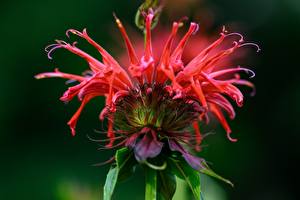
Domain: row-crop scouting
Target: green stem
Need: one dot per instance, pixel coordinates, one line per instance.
(151, 184)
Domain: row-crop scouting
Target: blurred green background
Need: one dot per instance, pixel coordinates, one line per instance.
(41, 160)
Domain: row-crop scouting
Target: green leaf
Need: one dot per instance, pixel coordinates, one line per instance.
(192, 177)
(206, 170)
(110, 183)
(125, 166)
(151, 184)
(166, 182)
(126, 163)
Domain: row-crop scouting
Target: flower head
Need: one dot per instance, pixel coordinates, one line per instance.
(152, 103)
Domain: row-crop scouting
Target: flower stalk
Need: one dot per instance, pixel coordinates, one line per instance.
(151, 183)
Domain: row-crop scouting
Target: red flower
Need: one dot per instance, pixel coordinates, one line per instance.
(200, 84)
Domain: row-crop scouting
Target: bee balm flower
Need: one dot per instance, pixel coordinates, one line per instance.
(154, 103)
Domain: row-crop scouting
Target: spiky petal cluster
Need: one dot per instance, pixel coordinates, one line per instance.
(200, 79)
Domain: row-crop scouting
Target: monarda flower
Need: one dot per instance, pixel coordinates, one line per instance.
(154, 106)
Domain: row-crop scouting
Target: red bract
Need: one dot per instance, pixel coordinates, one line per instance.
(201, 78)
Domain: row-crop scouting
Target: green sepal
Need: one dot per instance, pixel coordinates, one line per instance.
(151, 183)
(184, 171)
(126, 163)
(206, 170)
(122, 169)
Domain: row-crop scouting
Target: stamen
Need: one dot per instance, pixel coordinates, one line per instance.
(105, 162)
(248, 71)
(74, 44)
(49, 46)
(224, 31)
(61, 42)
(87, 73)
(231, 70)
(73, 31)
(105, 132)
(236, 34)
(53, 47)
(251, 44)
(181, 20)
(104, 140)
(111, 146)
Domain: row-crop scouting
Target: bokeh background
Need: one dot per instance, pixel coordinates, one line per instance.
(40, 160)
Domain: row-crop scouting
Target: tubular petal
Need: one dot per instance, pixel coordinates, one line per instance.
(59, 74)
(165, 65)
(130, 50)
(222, 102)
(198, 90)
(231, 70)
(223, 121)
(110, 132)
(198, 135)
(73, 121)
(108, 60)
(148, 42)
(95, 65)
(190, 68)
(177, 54)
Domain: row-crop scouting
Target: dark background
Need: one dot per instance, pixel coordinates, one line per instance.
(40, 159)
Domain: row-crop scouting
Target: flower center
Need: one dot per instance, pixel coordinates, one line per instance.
(154, 107)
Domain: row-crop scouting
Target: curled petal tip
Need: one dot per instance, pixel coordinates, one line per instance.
(258, 49)
(74, 43)
(117, 20)
(103, 113)
(61, 42)
(253, 93)
(232, 139)
(196, 27)
(50, 47)
(237, 34)
(73, 31)
(224, 31)
(229, 136)
(198, 148)
(114, 15)
(73, 132)
(248, 71)
(251, 73)
(39, 76)
(67, 33)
